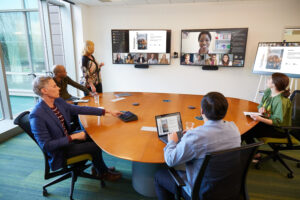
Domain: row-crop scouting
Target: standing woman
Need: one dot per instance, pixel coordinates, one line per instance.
(91, 69)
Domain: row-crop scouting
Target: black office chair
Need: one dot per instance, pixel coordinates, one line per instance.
(74, 168)
(290, 142)
(222, 175)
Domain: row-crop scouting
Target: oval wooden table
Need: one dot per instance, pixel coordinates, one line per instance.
(128, 141)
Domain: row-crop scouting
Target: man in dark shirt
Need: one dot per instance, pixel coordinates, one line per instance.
(62, 81)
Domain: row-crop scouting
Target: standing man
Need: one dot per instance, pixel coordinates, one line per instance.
(62, 81)
(215, 135)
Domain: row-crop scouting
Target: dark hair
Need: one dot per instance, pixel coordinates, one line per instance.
(214, 106)
(281, 82)
(204, 33)
(225, 63)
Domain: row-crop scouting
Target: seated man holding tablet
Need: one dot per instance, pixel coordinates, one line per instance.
(215, 135)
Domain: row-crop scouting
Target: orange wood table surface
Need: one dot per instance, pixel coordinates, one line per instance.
(127, 141)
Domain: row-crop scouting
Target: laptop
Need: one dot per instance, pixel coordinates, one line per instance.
(168, 123)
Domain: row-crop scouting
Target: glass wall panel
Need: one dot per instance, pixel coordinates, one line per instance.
(31, 4)
(20, 104)
(1, 112)
(19, 82)
(36, 42)
(14, 42)
(11, 4)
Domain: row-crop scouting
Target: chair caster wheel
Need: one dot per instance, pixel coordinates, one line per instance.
(298, 164)
(102, 184)
(290, 175)
(45, 192)
(257, 166)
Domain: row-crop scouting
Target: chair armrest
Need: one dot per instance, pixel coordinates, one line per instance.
(291, 127)
(176, 177)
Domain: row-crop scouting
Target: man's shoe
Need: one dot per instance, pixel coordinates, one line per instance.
(112, 169)
(94, 171)
(111, 176)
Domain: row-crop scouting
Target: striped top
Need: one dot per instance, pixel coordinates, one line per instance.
(61, 119)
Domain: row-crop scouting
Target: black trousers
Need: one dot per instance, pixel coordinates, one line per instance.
(165, 186)
(87, 147)
(262, 130)
(98, 89)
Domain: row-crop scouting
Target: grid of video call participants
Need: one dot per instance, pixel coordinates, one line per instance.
(141, 58)
(223, 47)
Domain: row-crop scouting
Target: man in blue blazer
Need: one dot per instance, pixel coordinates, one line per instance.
(50, 124)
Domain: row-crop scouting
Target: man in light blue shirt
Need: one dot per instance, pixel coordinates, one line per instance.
(215, 135)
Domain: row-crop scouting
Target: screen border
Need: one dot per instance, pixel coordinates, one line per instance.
(169, 37)
(209, 30)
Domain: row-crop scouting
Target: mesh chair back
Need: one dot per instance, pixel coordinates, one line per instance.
(295, 99)
(223, 174)
(23, 121)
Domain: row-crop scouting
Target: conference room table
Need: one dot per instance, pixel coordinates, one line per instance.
(145, 150)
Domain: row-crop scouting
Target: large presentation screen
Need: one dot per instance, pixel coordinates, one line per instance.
(214, 47)
(278, 57)
(148, 41)
(141, 47)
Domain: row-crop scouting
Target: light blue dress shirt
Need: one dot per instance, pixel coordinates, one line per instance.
(196, 143)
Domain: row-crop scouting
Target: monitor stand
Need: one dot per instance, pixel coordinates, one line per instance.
(210, 67)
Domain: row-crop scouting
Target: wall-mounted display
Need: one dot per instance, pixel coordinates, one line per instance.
(214, 47)
(150, 47)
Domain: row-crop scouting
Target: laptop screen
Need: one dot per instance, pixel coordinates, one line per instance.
(168, 123)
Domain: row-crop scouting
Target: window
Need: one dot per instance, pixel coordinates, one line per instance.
(33, 34)
(22, 50)
(1, 112)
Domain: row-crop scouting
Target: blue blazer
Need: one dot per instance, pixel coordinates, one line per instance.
(49, 132)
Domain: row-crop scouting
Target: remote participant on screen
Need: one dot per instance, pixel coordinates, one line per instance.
(204, 39)
(212, 60)
(187, 60)
(129, 59)
(141, 59)
(119, 60)
(226, 60)
(164, 59)
(152, 59)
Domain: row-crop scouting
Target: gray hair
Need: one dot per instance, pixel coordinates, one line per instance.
(39, 83)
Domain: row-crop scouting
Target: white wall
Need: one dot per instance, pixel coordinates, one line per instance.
(265, 19)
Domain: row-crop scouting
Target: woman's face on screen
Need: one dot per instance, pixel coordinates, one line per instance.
(225, 58)
(204, 43)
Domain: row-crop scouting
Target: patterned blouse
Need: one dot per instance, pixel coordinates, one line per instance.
(91, 71)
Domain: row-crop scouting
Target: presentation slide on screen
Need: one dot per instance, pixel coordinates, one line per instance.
(284, 59)
(168, 125)
(147, 41)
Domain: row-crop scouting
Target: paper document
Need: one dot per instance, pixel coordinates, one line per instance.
(149, 128)
(123, 95)
(251, 113)
(81, 101)
(117, 99)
